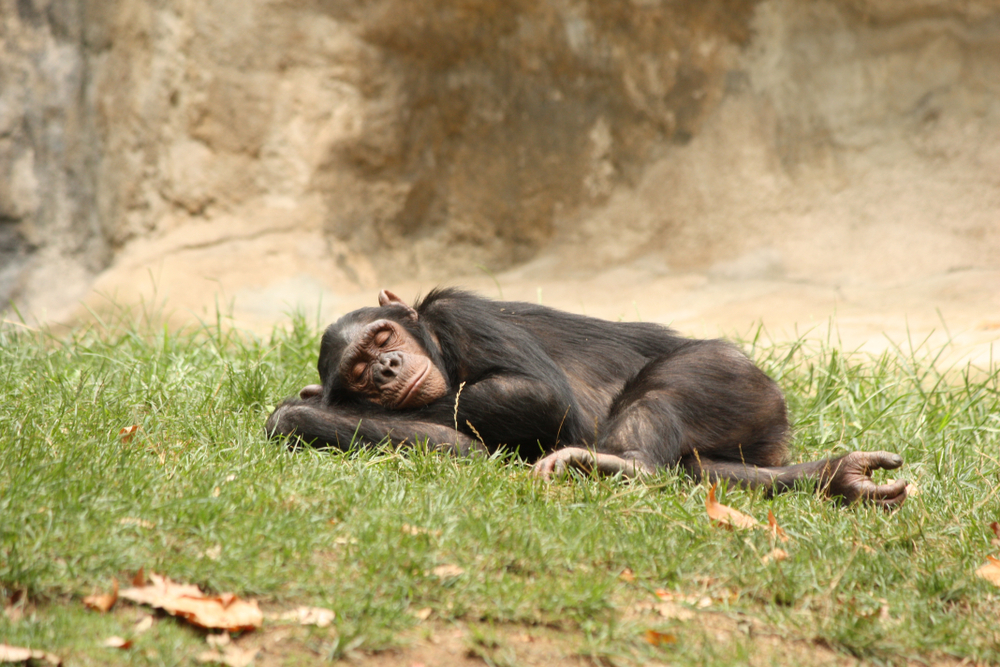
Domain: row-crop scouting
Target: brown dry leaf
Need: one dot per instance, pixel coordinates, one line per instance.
(220, 640)
(991, 571)
(775, 555)
(213, 553)
(103, 602)
(18, 654)
(117, 642)
(140, 578)
(233, 656)
(128, 432)
(627, 575)
(995, 527)
(422, 614)
(447, 571)
(417, 530)
(143, 624)
(660, 638)
(727, 516)
(225, 611)
(777, 532)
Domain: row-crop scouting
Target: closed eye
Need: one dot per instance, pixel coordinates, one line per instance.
(383, 337)
(358, 370)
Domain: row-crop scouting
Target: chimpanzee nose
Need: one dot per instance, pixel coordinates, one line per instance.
(387, 367)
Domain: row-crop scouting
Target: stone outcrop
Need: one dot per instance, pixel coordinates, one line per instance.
(329, 145)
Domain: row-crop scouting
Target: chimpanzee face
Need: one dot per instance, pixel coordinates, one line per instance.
(386, 364)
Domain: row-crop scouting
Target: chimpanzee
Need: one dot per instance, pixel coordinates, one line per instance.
(464, 374)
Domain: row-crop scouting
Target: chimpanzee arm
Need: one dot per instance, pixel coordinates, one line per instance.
(517, 410)
(341, 426)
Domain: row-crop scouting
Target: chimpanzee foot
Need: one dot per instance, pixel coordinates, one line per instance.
(848, 479)
(560, 461)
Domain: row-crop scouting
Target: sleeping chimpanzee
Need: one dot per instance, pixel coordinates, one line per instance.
(567, 391)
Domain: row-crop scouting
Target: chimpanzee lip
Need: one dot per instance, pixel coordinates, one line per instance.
(414, 386)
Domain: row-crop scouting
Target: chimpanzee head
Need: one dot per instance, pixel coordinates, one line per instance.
(380, 355)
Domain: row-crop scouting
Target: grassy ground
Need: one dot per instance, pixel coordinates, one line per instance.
(561, 573)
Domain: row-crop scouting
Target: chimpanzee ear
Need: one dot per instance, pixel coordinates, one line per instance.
(387, 298)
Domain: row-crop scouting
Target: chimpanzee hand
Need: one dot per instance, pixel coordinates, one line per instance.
(848, 479)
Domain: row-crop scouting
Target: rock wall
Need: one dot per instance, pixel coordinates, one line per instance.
(348, 143)
(49, 152)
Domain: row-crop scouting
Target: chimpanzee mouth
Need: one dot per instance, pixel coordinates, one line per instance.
(413, 389)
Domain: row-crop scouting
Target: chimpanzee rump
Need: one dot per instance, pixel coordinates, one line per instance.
(466, 373)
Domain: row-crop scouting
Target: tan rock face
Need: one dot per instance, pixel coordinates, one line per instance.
(252, 148)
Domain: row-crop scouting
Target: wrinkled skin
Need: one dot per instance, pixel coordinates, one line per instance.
(390, 367)
(464, 374)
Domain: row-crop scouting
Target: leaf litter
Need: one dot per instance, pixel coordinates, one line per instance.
(224, 611)
(19, 654)
(723, 515)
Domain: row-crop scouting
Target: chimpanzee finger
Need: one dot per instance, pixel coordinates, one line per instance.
(893, 502)
(543, 468)
(879, 461)
(872, 491)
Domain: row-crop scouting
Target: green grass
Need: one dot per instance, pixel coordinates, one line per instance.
(328, 529)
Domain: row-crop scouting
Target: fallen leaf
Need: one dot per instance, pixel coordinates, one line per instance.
(144, 623)
(18, 654)
(132, 521)
(225, 611)
(777, 532)
(660, 638)
(103, 602)
(995, 527)
(213, 553)
(317, 616)
(447, 571)
(422, 614)
(117, 642)
(775, 555)
(220, 640)
(128, 432)
(417, 530)
(627, 575)
(673, 610)
(727, 516)
(216, 491)
(991, 571)
(140, 578)
(233, 656)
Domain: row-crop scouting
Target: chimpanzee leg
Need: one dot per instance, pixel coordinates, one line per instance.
(707, 397)
(709, 409)
(846, 478)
